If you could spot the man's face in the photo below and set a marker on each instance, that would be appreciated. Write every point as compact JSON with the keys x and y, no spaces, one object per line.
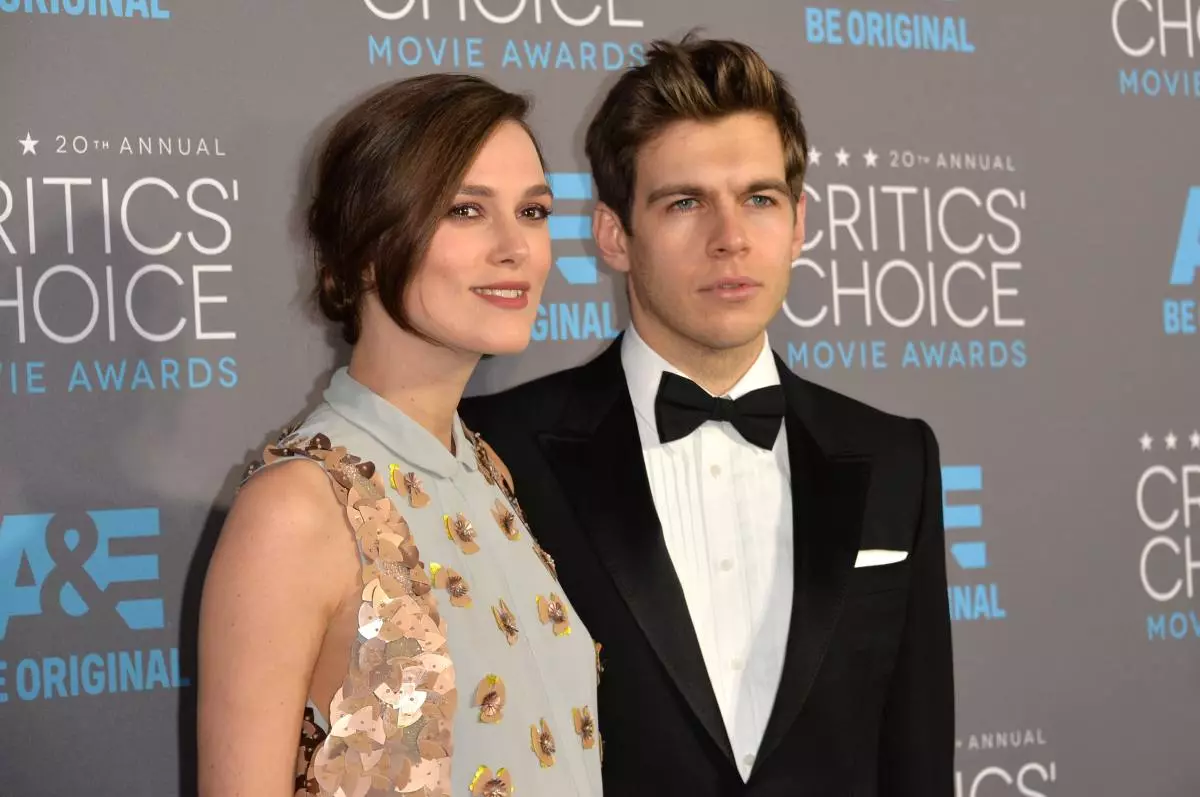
{"x":714,"y":232}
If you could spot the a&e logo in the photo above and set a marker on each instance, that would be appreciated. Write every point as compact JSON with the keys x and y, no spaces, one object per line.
{"x":1179,"y":314}
{"x":96,"y":565}
{"x":591,"y":318}
{"x":963,"y":520}
{"x":80,"y":563}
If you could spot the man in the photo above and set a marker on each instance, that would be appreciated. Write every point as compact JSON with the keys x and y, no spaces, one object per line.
{"x":765,"y":570}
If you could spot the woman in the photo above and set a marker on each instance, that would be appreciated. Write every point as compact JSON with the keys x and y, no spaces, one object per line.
{"x":376,"y":585}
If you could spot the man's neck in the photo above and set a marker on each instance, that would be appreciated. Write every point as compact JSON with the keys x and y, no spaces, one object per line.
{"x":715,"y":370}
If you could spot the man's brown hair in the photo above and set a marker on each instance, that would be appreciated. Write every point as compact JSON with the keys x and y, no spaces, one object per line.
{"x":695,"y":79}
{"x":386,"y":176}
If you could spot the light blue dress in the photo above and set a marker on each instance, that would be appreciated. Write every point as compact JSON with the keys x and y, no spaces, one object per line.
{"x":470,"y":673}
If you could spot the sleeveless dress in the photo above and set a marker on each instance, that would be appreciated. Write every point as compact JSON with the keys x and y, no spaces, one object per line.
{"x":470,"y":675}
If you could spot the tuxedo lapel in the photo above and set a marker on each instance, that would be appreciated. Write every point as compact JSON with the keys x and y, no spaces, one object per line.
{"x":597,"y":457}
{"x":828,"y":498}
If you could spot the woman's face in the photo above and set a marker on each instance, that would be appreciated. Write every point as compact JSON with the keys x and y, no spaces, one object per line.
{"x":478,"y":288}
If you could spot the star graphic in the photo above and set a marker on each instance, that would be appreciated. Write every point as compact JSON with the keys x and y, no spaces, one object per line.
{"x":1195,"y":439}
{"x":870,"y":157}
{"x":28,"y":145}
{"x":1146,"y":441}
{"x":814,"y":157}
{"x":1170,"y":440}
{"x":843,"y":157}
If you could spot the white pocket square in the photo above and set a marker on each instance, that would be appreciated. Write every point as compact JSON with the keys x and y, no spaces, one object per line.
{"x":874,"y":558}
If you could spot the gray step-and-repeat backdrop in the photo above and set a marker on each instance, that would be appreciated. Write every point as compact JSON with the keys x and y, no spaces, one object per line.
{"x":1004,"y":238}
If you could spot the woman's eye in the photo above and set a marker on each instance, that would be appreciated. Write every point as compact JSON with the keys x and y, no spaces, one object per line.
{"x":536,"y":212}
{"x":465,"y":211}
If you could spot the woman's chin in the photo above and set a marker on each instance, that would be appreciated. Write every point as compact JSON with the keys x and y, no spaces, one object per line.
{"x":501,"y":346}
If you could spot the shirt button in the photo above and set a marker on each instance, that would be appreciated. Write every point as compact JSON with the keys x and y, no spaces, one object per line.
{"x":748,"y":760}
{"x":737,"y":664}
{"x":715,"y":470}
{"x":726,"y":565}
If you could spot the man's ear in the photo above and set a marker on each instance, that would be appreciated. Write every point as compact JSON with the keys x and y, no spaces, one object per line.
{"x":798,"y":230}
{"x":611,"y":239}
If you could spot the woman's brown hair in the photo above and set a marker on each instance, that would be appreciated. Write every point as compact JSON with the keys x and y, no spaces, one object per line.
{"x":386,"y":175}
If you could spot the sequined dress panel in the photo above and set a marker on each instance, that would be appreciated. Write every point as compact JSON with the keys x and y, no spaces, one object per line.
{"x":470,"y":673}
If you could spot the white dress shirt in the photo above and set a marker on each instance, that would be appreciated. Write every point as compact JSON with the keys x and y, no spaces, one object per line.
{"x":725,"y":506}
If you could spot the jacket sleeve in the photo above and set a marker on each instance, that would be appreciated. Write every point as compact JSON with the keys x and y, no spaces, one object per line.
{"x":916,"y":745}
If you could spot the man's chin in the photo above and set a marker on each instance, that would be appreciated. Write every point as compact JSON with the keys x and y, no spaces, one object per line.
{"x":731,"y":339}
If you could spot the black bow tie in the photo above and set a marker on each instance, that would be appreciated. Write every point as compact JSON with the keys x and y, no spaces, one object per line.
{"x":681,"y":406}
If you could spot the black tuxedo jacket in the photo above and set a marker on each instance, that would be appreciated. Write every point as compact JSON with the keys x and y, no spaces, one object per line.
{"x":866,"y":702}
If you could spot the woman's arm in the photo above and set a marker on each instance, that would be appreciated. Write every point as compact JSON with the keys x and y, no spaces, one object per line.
{"x":284,"y":561}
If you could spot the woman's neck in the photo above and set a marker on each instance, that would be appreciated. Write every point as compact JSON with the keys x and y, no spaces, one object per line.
{"x":422,"y":379}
